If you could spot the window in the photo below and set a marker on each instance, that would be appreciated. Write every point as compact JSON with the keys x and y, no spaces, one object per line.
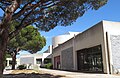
{"x":10,"y":62}
{"x":90,"y":59}
{"x":38,"y":61}
{"x":47,"y":60}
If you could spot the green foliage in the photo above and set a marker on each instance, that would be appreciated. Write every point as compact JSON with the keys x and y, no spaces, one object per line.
{"x":49,"y":66}
{"x":47,"y":14}
{"x":47,"y":60}
{"x":64,"y":14}
{"x":28,"y":39}
{"x":21,"y":67}
{"x":7,"y":55}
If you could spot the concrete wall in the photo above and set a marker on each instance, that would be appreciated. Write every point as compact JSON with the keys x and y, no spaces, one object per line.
{"x":47,"y":54}
{"x":99,"y":34}
{"x":27,"y":60}
{"x":67,"y":59}
{"x":110,"y":28}
{"x":62,"y":38}
{"x":65,"y":45}
{"x":58,"y":50}
{"x":89,"y":38}
{"x":30,"y":58}
{"x":115,"y":47}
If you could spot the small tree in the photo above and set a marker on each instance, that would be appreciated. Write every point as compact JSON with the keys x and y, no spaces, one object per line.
{"x":28,"y":39}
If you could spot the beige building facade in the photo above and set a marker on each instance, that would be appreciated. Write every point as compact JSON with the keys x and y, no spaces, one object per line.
{"x":95,"y":50}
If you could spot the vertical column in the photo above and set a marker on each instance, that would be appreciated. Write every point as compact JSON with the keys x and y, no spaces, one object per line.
{"x":105,"y":54}
{"x":74,"y":55}
{"x":7,"y":62}
{"x":34,"y":60}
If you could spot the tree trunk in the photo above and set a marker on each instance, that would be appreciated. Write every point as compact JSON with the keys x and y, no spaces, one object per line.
{"x":4,"y":32}
{"x":3,"y":47}
{"x":14,"y":59}
{"x":2,"y":61}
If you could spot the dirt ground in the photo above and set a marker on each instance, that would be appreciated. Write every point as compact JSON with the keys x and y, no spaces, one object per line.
{"x":30,"y":74}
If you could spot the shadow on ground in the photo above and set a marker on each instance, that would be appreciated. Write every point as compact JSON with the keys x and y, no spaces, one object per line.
{"x":32,"y":75}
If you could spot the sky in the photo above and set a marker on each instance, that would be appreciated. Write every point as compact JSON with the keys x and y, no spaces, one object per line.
{"x":110,"y":12}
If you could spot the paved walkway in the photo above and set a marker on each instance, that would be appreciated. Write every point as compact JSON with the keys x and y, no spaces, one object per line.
{"x":68,"y":74}
{"x":7,"y":71}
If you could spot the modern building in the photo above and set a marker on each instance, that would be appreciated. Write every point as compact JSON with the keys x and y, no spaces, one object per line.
{"x":9,"y":63}
{"x":31,"y":60}
{"x":57,"y":40}
{"x":97,"y":49}
{"x":36,"y":59}
{"x":47,"y":55}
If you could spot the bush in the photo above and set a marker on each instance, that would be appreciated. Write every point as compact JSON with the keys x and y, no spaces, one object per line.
{"x":21,"y":67}
{"x":49,"y":66}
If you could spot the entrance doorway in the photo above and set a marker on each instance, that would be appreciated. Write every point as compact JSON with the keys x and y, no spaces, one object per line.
{"x":57,"y":62}
{"x":90,"y":59}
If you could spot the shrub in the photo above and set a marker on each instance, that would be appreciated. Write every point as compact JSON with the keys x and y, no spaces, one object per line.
{"x":49,"y":66}
{"x":21,"y":67}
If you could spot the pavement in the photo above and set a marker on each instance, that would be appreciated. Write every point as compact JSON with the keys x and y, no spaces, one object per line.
{"x":68,"y":74}
{"x":7,"y":71}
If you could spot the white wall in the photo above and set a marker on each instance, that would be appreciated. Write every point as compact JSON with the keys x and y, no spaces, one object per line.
{"x":111,"y":28}
{"x":30,"y":58}
{"x":47,"y":54}
{"x":62,"y":38}
{"x":93,"y":36}
{"x":89,"y":38}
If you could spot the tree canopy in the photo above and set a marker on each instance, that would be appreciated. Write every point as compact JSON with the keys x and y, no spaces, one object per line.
{"x":28,"y":39}
{"x":46,"y":14}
